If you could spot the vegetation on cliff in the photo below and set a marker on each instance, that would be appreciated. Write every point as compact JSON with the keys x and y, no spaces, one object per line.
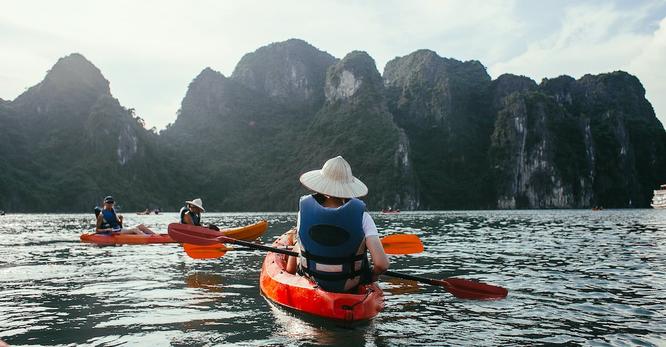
{"x":430,"y":133}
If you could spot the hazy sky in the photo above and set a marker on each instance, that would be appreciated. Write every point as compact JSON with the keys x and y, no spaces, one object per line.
{"x":151,"y":50}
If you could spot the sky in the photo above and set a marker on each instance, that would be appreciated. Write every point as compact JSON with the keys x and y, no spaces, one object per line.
{"x":151,"y":50}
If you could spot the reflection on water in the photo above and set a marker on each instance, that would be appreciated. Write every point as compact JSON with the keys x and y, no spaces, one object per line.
{"x":573,"y":277}
{"x":209,"y":281}
{"x":313,"y":330}
{"x":399,"y":286}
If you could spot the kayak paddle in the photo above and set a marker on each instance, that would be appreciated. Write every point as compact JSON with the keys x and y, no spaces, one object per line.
{"x":209,"y":252}
{"x":198,"y":245}
{"x":402,"y":244}
{"x":460,"y":288}
{"x":393,"y":244}
{"x":205,"y":252}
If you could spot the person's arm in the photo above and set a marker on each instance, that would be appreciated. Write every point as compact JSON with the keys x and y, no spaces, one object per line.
{"x":292,"y":262}
{"x":380,"y":261}
{"x":98,"y":225}
{"x":188,"y":219}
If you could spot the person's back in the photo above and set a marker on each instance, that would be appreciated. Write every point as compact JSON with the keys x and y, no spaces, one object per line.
{"x":332,"y":243}
{"x":334,"y":231}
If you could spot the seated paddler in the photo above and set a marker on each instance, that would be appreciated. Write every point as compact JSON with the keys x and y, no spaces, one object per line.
{"x":108,"y":221}
{"x":334,"y":233}
{"x":191,"y":213}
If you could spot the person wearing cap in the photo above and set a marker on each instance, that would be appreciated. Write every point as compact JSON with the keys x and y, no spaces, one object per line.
{"x":108,"y":221}
{"x":334,"y":233}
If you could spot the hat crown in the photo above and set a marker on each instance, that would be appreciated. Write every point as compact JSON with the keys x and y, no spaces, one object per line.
{"x":334,"y":179}
{"x":196,"y":202}
{"x":337,"y":169}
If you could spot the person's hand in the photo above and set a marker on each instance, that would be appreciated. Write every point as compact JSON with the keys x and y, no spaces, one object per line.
{"x":213,"y":227}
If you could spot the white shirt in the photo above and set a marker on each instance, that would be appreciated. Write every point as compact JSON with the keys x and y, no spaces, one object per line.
{"x":369,"y":227}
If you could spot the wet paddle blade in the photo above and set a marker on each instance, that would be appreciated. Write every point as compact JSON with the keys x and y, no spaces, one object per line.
{"x":460,"y":288}
{"x":184,"y":236}
{"x":468,"y":289}
{"x":402,"y":244}
{"x":205,"y":252}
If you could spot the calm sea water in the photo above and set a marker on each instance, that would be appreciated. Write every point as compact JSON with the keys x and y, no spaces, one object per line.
{"x":574,"y":277}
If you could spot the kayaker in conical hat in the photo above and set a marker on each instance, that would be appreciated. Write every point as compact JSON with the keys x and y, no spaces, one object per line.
{"x":108,"y":221}
{"x":334,"y":232}
{"x":191,"y":213}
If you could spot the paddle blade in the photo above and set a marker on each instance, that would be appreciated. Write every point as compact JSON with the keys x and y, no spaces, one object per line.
{"x":468,"y":289}
{"x":402,"y":244}
{"x":183,"y":236}
{"x":205,"y":252}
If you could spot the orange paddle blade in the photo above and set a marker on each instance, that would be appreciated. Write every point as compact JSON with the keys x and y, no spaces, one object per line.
{"x":216,"y":250}
{"x":402,"y":244}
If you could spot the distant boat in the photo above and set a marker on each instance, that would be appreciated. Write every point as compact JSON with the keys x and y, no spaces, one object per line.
{"x":659,"y":198}
{"x":390,"y":211}
{"x":149,"y":211}
{"x":597,"y":208}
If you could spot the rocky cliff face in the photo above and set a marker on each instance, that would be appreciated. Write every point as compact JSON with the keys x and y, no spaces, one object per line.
{"x":532,"y":140}
{"x":355,"y":122}
{"x":263,"y":145}
{"x":444,"y":109}
{"x":430,"y":133}
{"x":290,"y":72}
{"x":576,"y":143}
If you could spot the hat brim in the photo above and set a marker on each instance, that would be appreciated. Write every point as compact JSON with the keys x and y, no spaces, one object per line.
{"x":194,"y":204}
{"x":316,"y":182}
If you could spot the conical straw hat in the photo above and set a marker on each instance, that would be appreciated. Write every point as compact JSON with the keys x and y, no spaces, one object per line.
{"x":334,"y":179}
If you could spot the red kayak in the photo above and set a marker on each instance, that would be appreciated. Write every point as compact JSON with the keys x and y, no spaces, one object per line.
{"x":301,"y":294}
{"x":247,"y":232}
{"x":126,"y":239}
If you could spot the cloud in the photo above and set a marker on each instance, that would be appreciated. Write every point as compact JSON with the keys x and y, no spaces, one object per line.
{"x":597,"y":38}
{"x":650,"y":67}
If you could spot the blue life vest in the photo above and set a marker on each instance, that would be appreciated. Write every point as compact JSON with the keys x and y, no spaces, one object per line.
{"x":196,"y":217}
{"x":332,"y":243}
{"x":110,"y":220}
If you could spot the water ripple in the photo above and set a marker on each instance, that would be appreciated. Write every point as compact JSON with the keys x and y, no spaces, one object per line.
{"x":575,"y":277}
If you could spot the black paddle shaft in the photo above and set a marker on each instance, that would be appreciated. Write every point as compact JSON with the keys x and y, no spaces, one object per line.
{"x":295,"y":254}
{"x":257,"y":246}
{"x":413,"y":278}
{"x":486,"y":292}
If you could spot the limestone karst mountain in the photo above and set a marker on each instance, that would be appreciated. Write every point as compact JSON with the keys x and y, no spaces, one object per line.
{"x":430,"y":133}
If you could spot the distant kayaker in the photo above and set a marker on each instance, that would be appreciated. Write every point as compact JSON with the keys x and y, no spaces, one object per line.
{"x":334,"y":232}
{"x":191,"y":213}
{"x":109,"y":221}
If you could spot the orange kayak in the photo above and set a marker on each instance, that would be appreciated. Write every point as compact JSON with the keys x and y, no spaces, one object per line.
{"x":247,"y":232}
{"x":301,"y":294}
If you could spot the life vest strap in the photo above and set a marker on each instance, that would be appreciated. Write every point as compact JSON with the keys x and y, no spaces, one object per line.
{"x":331,"y":276}
{"x":332,"y":260}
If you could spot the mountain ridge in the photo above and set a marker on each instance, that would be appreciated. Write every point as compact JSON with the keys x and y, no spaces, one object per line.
{"x":414,"y":134}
